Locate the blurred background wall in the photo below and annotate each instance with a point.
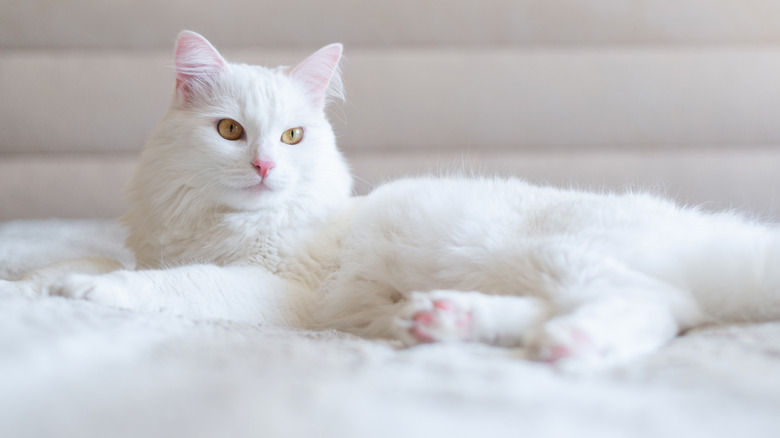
(681, 97)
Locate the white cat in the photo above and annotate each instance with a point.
(240, 209)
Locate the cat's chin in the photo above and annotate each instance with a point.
(257, 189)
(253, 197)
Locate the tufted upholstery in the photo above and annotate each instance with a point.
(682, 97)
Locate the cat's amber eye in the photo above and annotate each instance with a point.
(229, 129)
(293, 135)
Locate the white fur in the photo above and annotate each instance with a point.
(189, 194)
(579, 278)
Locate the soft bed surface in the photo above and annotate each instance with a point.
(73, 368)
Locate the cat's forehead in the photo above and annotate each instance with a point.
(261, 84)
(261, 99)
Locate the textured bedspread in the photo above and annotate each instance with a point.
(73, 368)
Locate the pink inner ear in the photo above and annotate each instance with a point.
(197, 62)
(319, 74)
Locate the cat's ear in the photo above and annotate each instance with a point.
(197, 63)
(320, 76)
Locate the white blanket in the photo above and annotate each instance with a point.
(73, 368)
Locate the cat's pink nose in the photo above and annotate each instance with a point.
(263, 167)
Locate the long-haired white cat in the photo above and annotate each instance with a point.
(240, 209)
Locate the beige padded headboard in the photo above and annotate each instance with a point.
(682, 97)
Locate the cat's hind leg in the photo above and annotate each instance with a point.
(604, 332)
(447, 316)
(612, 319)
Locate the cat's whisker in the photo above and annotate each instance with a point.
(362, 180)
(197, 174)
(354, 177)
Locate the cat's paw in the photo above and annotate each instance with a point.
(589, 341)
(438, 316)
(568, 346)
(109, 289)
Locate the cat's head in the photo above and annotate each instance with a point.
(248, 137)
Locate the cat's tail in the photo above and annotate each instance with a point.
(38, 282)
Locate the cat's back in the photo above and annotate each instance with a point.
(424, 233)
(444, 208)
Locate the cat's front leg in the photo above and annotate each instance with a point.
(37, 282)
(241, 293)
(447, 316)
(122, 289)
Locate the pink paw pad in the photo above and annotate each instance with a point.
(578, 340)
(444, 322)
(556, 353)
(443, 305)
(424, 317)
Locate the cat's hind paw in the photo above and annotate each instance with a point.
(603, 335)
(434, 317)
(567, 346)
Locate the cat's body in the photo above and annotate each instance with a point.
(262, 228)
